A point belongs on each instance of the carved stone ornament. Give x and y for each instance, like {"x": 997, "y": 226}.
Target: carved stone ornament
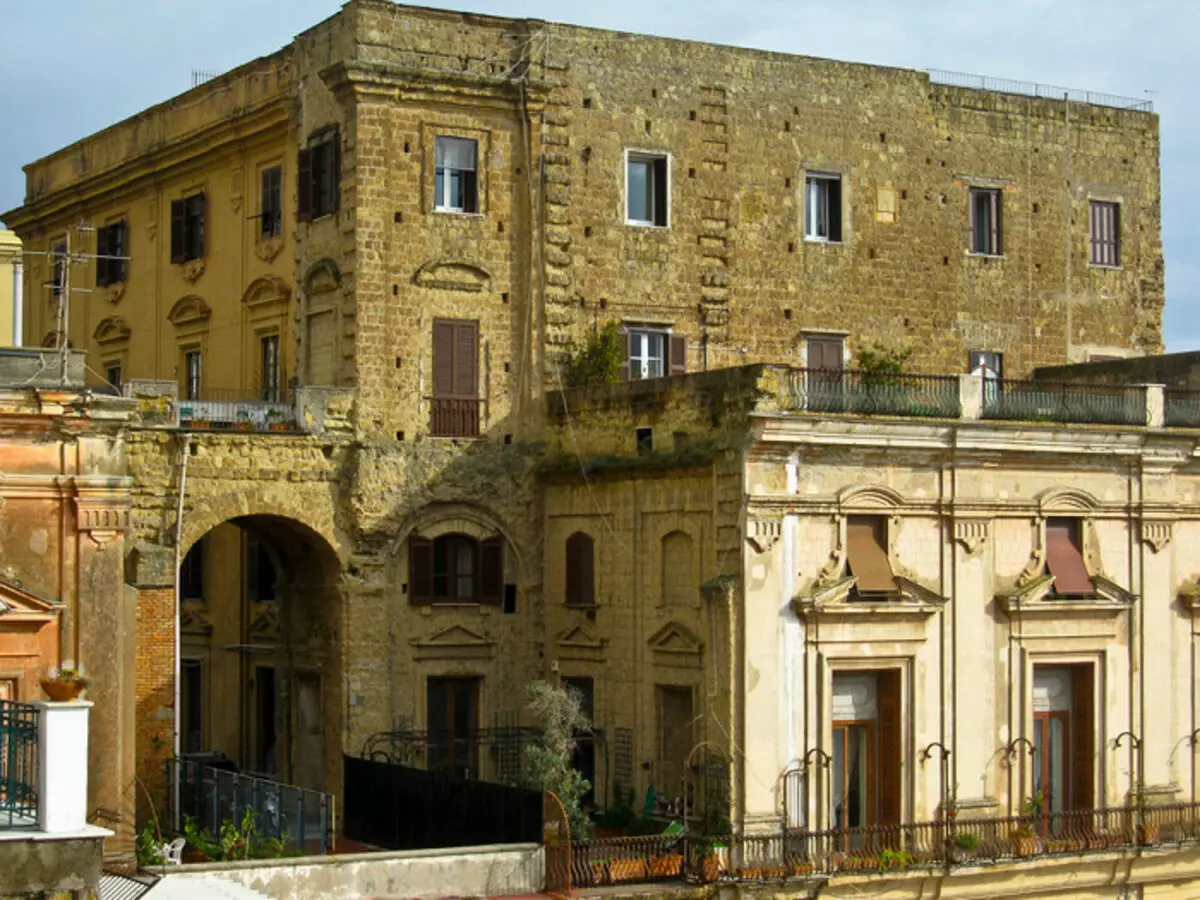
{"x": 715, "y": 316}
{"x": 453, "y": 275}
{"x": 114, "y": 292}
{"x": 268, "y": 248}
{"x": 1037, "y": 559}
{"x": 102, "y": 519}
{"x": 831, "y": 572}
{"x": 192, "y": 269}
{"x": 971, "y": 533}
{"x": 763, "y": 534}
{"x": 1157, "y": 534}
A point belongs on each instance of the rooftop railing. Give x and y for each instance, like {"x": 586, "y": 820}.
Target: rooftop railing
{"x": 1033, "y": 89}
{"x": 1042, "y": 401}
{"x": 1181, "y": 408}
{"x": 875, "y": 393}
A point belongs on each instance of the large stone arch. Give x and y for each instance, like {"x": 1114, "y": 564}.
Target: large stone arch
{"x": 470, "y": 518}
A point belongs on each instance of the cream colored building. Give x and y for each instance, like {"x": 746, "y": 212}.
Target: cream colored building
{"x": 11, "y": 289}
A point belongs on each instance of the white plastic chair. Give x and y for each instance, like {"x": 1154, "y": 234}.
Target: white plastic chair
{"x": 173, "y": 852}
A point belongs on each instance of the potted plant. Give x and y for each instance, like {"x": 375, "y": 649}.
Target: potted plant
{"x": 276, "y": 421}
{"x": 665, "y": 865}
{"x": 1024, "y": 838}
{"x": 64, "y": 684}
{"x": 801, "y": 869}
{"x": 242, "y": 422}
{"x": 964, "y": 846}
{"x": 626, "y": 870}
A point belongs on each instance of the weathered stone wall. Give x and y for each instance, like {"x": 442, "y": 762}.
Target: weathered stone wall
{"x": 1175, "y": 370}
{"x": 40, "y": 870}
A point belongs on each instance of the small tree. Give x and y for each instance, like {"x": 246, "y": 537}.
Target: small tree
{"x": 598, "y": 360}
{"x": 560, "y": 717}
{"x": 877, "y": 359}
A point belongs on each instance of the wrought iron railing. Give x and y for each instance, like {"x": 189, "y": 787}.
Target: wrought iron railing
{"x": 239, "y": 409}
{"x": 796, "y": 853}
{"x": 1032, "y": 89}
{"x": 874, "y": 393}
{"x": 1181, "y": 408}
{"x": 1048, "y": 401}
{"x": 301, "y": 818}
{"x": 18, "y": 765}
{"x": 420, "y": 749}
{"x": 454, "y": 417}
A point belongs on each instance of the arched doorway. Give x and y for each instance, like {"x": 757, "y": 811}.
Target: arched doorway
{"x": 259, "y": 663}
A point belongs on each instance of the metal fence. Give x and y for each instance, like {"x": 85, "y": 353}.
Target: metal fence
{"x": 18, "y": 765}
{"x": 301, "y": 818}
{"x": 1033, "y": 89}
{"x": 1181, "y": 408}
{"x": 239, "y": 409}
{"x": 1047, "y": 401}
{"x": 874, "y": 393}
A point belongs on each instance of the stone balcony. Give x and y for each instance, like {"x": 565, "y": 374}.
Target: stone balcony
{"x": 307, "y": 410}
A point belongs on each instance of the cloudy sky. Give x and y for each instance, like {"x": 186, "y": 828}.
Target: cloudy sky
{"x": 74, "y": 67}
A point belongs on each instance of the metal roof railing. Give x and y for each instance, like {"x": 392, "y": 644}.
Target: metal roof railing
{"x": 1033, "y": 89}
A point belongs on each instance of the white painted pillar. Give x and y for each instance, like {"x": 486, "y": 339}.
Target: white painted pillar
{"x": 62, "y": 766}
{"x": 18, "y": 270}
{"x": 1155, "y": 404}
{"x": 970, "y": 392}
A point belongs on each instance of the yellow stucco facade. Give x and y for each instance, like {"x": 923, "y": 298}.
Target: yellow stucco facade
{"x": 10, "y": 252}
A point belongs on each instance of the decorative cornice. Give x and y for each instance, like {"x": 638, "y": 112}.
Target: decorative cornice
{"x": 1157, "y": 534}
{"x": 763, "y": 534}
{"x": 269, "y": 289}
{"x": 111, "y": 330}
{"x": 189, "y": 310}
{"x": 103, "y": 518}
{"x": 453, "y": 642}
{"x": 972, "y": 533}
{"x": 1035, "y": 598}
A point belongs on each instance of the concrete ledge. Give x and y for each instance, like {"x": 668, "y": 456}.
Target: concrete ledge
{"x": 44, "y": 865}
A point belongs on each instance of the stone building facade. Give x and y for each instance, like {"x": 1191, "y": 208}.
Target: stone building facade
{"x": 410, "y": 216}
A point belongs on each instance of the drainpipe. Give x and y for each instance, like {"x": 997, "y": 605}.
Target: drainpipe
{"x": 18, "y": 273}
{"x": 185, "y": 451}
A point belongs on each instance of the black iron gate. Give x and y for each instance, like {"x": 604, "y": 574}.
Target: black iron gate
{"x": 401, "y": 808}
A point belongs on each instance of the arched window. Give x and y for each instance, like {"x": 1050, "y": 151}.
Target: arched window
{"x": 581, "y": 570}
{"x": 455, "y": 568}
{"x": 678, "y": 571}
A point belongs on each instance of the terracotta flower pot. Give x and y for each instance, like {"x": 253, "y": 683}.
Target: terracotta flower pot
{"x": 668, "y": 865}
{"x": 626, "y": 870}
{"x": 62, "y": 691}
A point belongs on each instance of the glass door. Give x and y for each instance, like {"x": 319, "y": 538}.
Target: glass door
{"x": 1051, "y": 772}
{"x": 853, "y": 780}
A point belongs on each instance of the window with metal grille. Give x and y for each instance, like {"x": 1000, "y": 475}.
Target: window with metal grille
{"x": 318, "y": 174}
{"x": 823, "y": 207}
{"x": 1106, "y": 233}
{"x": 270, "y": 214}
{"x": 647, "y": 189}
{"x": 269, "y": 367}
{"x": 985, "y": 221}
{"x": 111, "y": 244}
{"x": 456, "y": 187}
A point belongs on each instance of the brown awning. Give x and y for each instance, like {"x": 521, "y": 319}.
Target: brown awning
{"x": 1064, "y": 558}
{"x": 866, "y": 553}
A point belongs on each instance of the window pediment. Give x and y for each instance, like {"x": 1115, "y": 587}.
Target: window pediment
{"x": 18, "y": 604}
{"x": 453, "y": 642}
{"x": 1037, "y": 597}
{"x": 836, "y": 599}
{"x": 189, "y": 310}
{"x": 322, "y": 277}
{"x": 675, "y": 644}
{"x": 1066, "y": 500}
{"x": 869, "y": 496}
{"x": 111, "y": 330}
{"x": 265, "y": 291}
{"x": 453, "y": 275}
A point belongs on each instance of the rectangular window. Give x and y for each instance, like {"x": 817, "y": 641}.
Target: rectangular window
{"x": 318, "y": 175}
{"x": 866, "y": 744}
{"x": 1064, "y": 742}
{"x": 268, "y": 367}
{"x": 112, "y": 375}
{"x": 647, "y": 189}
{"x": 823, "y": 207}
{"x": 985, "y": 221}
{"x": 867, "y": 557}
{"x": 825, "y": 354}
{"x": 270, "y": 216}
{"x": 58, "y": 274}
{"x": 455, "y": 398}
{"x": 652, "y": 353}
{"x": 456, "y": 187}
{"x": 452, "y": 715}
{"x": 191, "y": 368}
{"x": 187, "y": 228}
{"x": 1106, "y": 233}
{"x": 676, "y": 737}
{"x": 110, "y": 245}
{"x": 989, "y": 366}
{"x": 1064, "y": 558}
{"x": 583, "y": 760}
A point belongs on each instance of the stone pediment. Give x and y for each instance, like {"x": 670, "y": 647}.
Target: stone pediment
{"x": 580, "y": 642}
{"x": 452, "y": 275}
{"x": 322, "y": 277}
{"x": 19, "y": 604}
{"x": 189, "y": 310}
{"x": 836, "y": 599}
{"x": 675, "y": 644}
{"x": 1036, "y": 597}
{"x": 111, "y": 330}
{"x": 453, "y": 642}
{"x": 270, "y": 289}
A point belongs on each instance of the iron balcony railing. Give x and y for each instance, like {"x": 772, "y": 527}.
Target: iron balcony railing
{"x": 797, "y": 854}
{"x": 874, "y": 393}
{"x": 456, "y": 417}
{"x": 18, "y": 765}
{"x": 301, "y": 818}
{"x": 1048, "y": 401}
{"x": 239, "y": 409}
{"x": 1181, "y": 408}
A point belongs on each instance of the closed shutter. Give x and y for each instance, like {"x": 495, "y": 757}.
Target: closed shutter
{"x": 466, "y": 359}
{"x": 334, "y": 156}
{"x": 1083, "y": 732}
{"x": 177, "y": 229}
{"x": 304, "y": 186}
{"x": 420, "y": 571}
{"x": 661, "y": 193}
{"x": 321, "y": 348}
{"x": 580, "y": 570}
{"x": 834, "y": 187}
{"x": 677, "y": 355}
{"x": 491, "y": 570}
{"x": 889, "y": 766}
{"x": 866, "y": 554}
{"x": 1064, "y": 558}
{"x": 995, "y": 212}
{"x": 102, "y": 249}
{"x": 825, "y": 354}
{"x": 470, "y": 187}
{"x": 624, "y": 356}
{"x": 443, "y": 358}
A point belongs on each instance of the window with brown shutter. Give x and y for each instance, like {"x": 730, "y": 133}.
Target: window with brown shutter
{"x": 677, "y": 355}
{"x": 889, "y": 764}
{"x": 1105, "y": 221}
{"x": 984, "y": 213}
{"x": 491, "y": 570}
{"x": 318, "y": 173}
{"x": 187, "y": 228}
{"x": 420, "y": 571}
{"x": 867, "y": 558}
{"x": 110, "y": 246}
{"x": 651, "y": 353}
{"x": 581, "y": 583}
{"x": 455, "y": 401}
{"x": 1064, "y": 558}
{"x": 1083, "y": 735}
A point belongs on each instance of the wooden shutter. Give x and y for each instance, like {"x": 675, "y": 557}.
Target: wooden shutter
{"x": 470, "y": 186}
{"x": 198, "y": 223}
{"x": 677, "y": 355}
{"x": 661, "y": 192}
{"x": 178, "y": 219}
{"x": 102, "y": 268}
{"x": 825, "y": 353}
{"x": 1083, "y": 736}
{"x": 466, "y": 359}
{"x": 334, "y": 158}
{"x": 887, "y": 688}
{"x": 624, "y": 356}
{"x": 866, "y": 553}
{"x": 304, "y": 185}
{"x": 1064, "y": 558}
{"x": 834, "y": 197}
{"x": 443, "y": 358}
{"x": 995, "y": 213}
{"x": 581, "y": 575}
{"x": 420, "y": 571}
{"x": 491, "y": 570}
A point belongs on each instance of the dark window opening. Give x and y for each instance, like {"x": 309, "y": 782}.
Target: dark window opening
{"x": 823, "y": 207}
{"x": 269, "y": 367}
{"x": 191, "y": 573}
{"x": 113, "y": 376}
{"x": 192, "y": 690}
{"x": 319, "y": 169}
{"x": 647, "y": 190}
{"x": 456, "y": 186}
{"x": 191, "y": 367}
{"x": 58, "y": 278}
{"x": 985, "y": 221}
{"x": 271, "y": 203}
{"x": 581, "y": 571}
{"x": 264, "y": 689}
{"x": 187, "y": 228}
{"x": 645, "y": 441}
{"x": 111, "y": 244}
{"x": 452, "y": 716}
{"x": 583, "y": 760}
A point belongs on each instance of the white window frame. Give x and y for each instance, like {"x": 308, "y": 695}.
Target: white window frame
{"x": 445, "y": 179}
{"x": 651, "y": 156}
{"x": 813, "y": 199}
{"x": 639, "y": 364}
